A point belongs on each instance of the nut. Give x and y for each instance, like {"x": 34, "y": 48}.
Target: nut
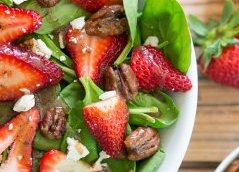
{"x": 142, "y": 143}
{"x": 234, "y": 167}
{"x": 108, "y": 21}
{"x": 53, "y": 123}
{"x": 123, "y": 80}
{"x": 48, "y": 3}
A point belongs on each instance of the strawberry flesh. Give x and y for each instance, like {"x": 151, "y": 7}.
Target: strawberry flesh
{"x": 15, "y": 23}
{"x": 20, "y": 131}
{"x": 23, "y": 69}
{"x": 154, "y": 70}
{"x": 91, "y": 54}
{"x": 107, "y": 122}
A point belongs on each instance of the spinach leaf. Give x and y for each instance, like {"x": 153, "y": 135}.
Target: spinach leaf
{"x": 168, "y": 112}
{"x": 166, "y": 20}
{"x": 36, "y": 158}
{"x": 44, "y": 144}
{"x": 151, "y": 164}
{"x": 7, "y": 2}
{"x": 55, "y": 17}
{"x": 72, "y": 93}
{"x": 121, "y": 165}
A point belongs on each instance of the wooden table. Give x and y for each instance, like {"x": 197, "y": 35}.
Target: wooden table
{"x": 216, "y": 131}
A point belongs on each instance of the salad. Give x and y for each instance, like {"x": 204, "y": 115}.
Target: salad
{"x": 85, "y": 84}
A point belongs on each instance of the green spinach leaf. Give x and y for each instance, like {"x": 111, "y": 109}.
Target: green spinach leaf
{"x": 121, "y": 165}
{"x": 166, "y": 20}
{"x": 151, "y": 164}
{"x": 168, "y": 111}
{"x": 55, "y": 17}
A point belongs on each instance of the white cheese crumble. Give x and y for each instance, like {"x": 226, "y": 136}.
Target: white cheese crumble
{"x": 78, "y": 23}
{"x": 107, "y": 95}
{"x": 25, "y": 103}
{"x": 62, "y": 58}
{"x": 40, "y": 48}
{"x": 152, "y": 40}
{"x": 98, "y": 166}
{"x": 18, "y": 2}
{"x": 76, "y": 150}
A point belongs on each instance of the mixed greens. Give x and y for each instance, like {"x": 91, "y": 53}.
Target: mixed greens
{"x": 164, "y": 19}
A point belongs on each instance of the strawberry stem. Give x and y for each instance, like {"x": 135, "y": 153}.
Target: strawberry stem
{"x": 163, "y": 44}
{"x": 143, "y": 110}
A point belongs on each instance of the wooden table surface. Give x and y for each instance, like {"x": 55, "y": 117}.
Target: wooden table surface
{"x": 216, "y": 131}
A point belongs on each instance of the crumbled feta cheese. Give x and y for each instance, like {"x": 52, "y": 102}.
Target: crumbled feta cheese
{"x": 98, "y": 165}
{"x": 25, "y": 103}
{"x": 18, "y": 2}
{"x": 62, "y": 58}
{"x": 61, "y": 40}
{"x": 40, "y": 48}
{"x": 107, "y": 95}
{"x": 78, "y": 23}
{"x": 152, "y": 40}
{"x": 76, "y": 150}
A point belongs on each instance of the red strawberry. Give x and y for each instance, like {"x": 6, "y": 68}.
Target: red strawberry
{"x": 55, "y": 160}
{"x": 20, "y": 131}
{"x": 92, "y": 54}
{"x": 219, "y": 47}
{"x": 154, "y": 70}
{"x": 94, "y": 5}
{"x": 107, "y": 122}
{"x": 15, "y": 23}
{"x": 225, "y": 68}
{"x": 24, "y": 70}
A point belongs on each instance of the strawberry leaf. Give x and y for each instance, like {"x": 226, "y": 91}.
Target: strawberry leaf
{"x": 197, "y": 26}
{"x": 227, "y": 11}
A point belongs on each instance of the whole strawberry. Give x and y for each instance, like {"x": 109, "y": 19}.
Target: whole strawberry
{"x": 219, "y": 58}
{"x": 107, "y": 122}
{"x": 154, "y": 70}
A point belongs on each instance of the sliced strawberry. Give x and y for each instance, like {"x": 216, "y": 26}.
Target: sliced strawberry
{"x": 92, "y": 54}
{"x": 21, "y": 131}
{"x": 94, "y": 5}
{"x": 55, "y": 160}
{"x": 107, "y": 122}
{"x": 24, "y": 69}
{"x": 15, "y": 23}
{"x": 154, "y": 70}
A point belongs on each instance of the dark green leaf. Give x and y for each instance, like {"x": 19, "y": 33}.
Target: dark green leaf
{"x": 167, "y": 21}
{"x": 168, "y": 112}
{"x": 44, "y": 144}
{"x": 151, "y": 164}
{"x": 123, "y": 165}
{"x": 55, "y": 17}
{"x": 227, "y": 11}
{"x": 72, "y": 94}
{"x": 197, "y": 26}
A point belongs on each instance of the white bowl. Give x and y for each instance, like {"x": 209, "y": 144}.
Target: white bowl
{"x": 175, "y": 139}
{"x": 228, "y": 160}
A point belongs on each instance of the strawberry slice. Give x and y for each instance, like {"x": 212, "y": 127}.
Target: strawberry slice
{"x": 20, "y": 131}
{"x": 15, "y": 23}
{"x": 93, "y": 54}
{"x": 94, "y": 5}
{"x": 107, "y": 122}
{"x": 54, "y": 160}
{"x": 24, "y": 70}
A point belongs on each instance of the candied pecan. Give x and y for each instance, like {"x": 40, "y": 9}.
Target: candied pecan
{"x": 53, "y": 123}
{"x": 142, "y": 143}
{"x": 108, "y": 21}
{"x": 234, "y": 167}
{"x": 48, "y": 3}
{"x": 122, "y": 80}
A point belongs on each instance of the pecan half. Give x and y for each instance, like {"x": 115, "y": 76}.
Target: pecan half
{"x": 53, "y": 123}
{"x": 108, "y": 21}
{"x": 142, "y": 143}
{"x": 48, "y": 3}
{"x": 123, "y": 80}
